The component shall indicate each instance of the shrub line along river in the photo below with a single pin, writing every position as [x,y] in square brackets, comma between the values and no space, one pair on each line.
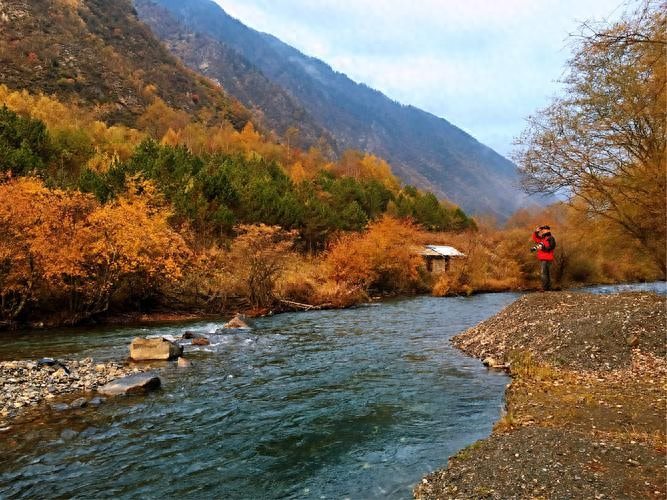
[356,403]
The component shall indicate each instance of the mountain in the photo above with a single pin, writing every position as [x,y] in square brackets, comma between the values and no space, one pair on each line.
[97,53]
[273,108]
[294,90]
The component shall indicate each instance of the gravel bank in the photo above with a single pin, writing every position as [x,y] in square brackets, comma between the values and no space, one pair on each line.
[582,331]
[585,413]
[26,384]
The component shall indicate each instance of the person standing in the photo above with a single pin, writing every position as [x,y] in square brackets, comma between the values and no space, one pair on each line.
[545,246]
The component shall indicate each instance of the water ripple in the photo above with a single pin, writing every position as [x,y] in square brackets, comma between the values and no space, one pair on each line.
[358,403]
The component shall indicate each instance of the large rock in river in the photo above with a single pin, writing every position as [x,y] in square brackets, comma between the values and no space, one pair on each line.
[132,384]
[143,349]
[237,322]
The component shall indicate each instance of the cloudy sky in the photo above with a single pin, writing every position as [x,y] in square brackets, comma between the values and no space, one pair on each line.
[484,65]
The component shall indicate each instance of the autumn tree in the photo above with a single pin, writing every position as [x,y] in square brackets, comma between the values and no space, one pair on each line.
[61,251]
[259,254]
[159,118]
[291,136]
[383,257]
[20,203]
[603,142]
[134,245]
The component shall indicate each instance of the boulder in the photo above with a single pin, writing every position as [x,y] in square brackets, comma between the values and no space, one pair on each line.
[200,341]
[184,363]
[193,335]
[78,403]
[132,384]
[143,349]
[493,363]
[236,322]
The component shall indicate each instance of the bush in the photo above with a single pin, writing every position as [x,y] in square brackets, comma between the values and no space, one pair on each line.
[382,258]
[580,270]
[68,254]
[258,255]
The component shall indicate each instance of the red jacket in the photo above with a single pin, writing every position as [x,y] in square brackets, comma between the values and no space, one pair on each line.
[546,251]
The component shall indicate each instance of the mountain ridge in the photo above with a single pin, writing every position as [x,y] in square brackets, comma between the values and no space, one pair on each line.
[224,64]
[423,149]
[98,53]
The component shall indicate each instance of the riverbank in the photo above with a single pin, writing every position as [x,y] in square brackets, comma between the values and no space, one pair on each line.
[585,412]
[28,384]
[130,318]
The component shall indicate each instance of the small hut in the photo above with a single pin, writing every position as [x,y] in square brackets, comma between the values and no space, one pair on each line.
[437,257]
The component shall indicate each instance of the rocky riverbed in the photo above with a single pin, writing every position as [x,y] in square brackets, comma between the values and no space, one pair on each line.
[27,384]
[70,383]
[585,412]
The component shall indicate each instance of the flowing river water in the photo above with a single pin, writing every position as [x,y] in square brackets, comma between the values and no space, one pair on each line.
[357,403]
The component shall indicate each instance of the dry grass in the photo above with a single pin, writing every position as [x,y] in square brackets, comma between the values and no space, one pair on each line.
[506,423]
[524,366]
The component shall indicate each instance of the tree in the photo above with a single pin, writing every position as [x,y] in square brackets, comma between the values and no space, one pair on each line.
[259,254]
[603,142]
[159,118]
[25,145]
[382,257]
[291,136]
[132,244]
[67,253]
[20,202]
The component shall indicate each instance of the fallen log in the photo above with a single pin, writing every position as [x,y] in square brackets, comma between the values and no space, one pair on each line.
[305,307]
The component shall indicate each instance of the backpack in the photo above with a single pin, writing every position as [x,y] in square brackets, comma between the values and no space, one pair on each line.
[552,243]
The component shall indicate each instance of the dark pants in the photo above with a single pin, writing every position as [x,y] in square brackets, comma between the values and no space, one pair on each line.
[546,274]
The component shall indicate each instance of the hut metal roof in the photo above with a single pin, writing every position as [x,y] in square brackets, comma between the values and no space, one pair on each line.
[443,250]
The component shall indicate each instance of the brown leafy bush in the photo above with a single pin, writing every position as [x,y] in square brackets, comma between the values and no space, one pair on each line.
[257,257]
[381,258]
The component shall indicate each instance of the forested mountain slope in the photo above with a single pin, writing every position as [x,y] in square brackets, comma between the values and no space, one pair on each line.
[423,149]
[97,53]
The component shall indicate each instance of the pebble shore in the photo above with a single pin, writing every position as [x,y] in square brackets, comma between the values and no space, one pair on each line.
[585,412]
[29,383]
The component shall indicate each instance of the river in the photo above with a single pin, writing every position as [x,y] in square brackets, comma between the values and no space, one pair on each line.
[356,403]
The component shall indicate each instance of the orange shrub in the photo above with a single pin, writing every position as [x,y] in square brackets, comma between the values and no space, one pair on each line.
[488,266]
[62,249]
[258,256]
[383,257]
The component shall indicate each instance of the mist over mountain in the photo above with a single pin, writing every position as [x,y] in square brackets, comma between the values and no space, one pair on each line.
[328,108]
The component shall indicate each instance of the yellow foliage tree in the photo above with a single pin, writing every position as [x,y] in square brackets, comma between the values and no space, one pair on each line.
[75,251]
[376,168]
[159,118]
[21,202]
[382,257]
[249,137]
[258,255]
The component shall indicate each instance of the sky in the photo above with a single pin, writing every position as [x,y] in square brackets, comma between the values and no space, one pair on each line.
[483,65]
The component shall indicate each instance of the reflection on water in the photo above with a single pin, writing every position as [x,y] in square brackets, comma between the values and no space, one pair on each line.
[324,404]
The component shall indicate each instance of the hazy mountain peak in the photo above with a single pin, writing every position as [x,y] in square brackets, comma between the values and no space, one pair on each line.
[424,150]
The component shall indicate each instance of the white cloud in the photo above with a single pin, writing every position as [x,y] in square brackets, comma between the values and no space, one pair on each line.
[482,65]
